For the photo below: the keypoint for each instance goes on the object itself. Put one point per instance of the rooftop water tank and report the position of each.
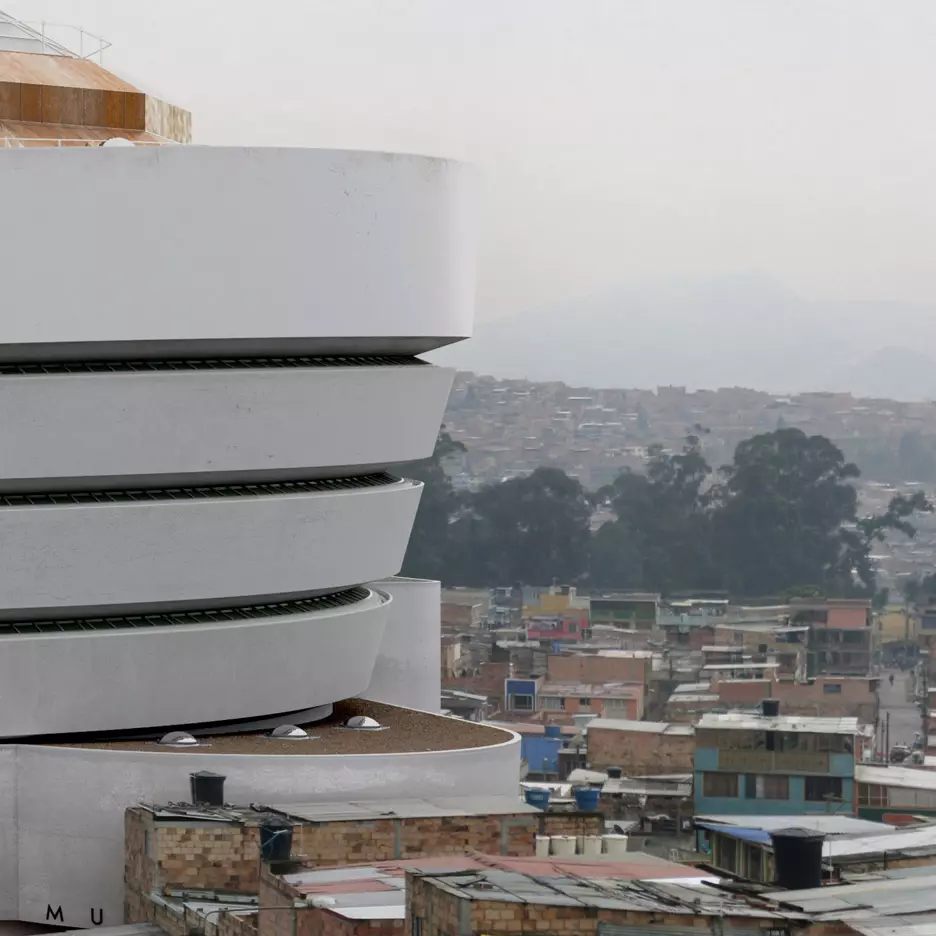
(537, 797)
(797, 858)
(207, 788)
(563, 846)
(770, 707)
(276, 835)
(553, 731)
(614, 773)
(586, 798)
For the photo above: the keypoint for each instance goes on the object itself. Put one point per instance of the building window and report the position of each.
(726, 853)
(821, 789)
(720, 784)
(771, 787)
(833, 688)
(585, 702)
(872, 794)
(616, 705)
(521, 703)
(553, 703)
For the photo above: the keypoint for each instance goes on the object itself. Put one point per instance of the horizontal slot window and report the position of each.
(329, 602)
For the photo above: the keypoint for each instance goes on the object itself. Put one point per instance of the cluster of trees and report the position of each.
(781, 519)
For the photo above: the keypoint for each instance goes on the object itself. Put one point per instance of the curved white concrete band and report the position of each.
(294, 423)
(198, 244)
(123, 679)
(107, 558)
(61, 809)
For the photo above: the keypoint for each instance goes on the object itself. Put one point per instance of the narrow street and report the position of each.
(897, 700)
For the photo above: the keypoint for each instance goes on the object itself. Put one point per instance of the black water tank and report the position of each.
(207, 788)
(275, 839)
(770, 707)
(797, 858)
(614, 773)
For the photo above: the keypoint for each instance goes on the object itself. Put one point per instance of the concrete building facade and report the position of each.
(212, 365)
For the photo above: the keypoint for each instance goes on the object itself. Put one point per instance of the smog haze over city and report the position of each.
(674, 192)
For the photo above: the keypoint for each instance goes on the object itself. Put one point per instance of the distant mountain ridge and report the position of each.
(709, 332)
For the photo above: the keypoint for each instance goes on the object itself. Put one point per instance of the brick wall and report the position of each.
(224, 856)
(177, 920)
(588, 668)
(310, 921)
(219, 856)
(853, 697)
(488, 682)
(639, 752)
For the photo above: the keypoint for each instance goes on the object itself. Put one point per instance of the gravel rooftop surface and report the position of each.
(406, 732)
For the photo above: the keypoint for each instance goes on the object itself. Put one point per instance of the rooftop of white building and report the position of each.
(896, 775)
(647, 727)
(744, 721)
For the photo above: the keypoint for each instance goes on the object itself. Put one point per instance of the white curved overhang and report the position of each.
(123, 678)
(99, 557)
(141, 426)
(253, 251)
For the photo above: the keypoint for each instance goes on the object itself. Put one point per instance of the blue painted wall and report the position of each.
(840, 765)
(538, 750)
(795, 805)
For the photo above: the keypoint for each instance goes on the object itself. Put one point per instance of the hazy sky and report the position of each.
(618, 138)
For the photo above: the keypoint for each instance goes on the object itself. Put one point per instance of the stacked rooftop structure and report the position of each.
(208, 362)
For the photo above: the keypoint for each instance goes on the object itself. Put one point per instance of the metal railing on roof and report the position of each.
(45, 32)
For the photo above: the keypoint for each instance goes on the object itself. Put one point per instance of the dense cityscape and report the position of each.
(305, 634)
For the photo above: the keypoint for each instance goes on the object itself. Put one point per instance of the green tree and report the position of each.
(780, 509)
(662, 525)
(427, 554)
(532, 530)
(786, 518)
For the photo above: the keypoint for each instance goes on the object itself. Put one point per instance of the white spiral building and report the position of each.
(209, 374)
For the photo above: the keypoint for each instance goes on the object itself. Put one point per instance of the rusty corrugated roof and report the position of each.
(58, 71)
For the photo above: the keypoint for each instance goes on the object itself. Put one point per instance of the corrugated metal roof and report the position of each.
(603, 893)
(922, 924)
(865, 899)
(635, 787)
(739, 832)
(793, 723)
(481, 805)
(828, 824)
(58, 71)
(624, 724)
(914, 778)
(691, 687)
(895, 840)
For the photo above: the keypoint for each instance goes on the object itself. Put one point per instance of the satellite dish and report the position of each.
(118, 141)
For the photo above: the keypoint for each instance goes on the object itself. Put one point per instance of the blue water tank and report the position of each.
(537, 798)
(553, 731)
(586, 798)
